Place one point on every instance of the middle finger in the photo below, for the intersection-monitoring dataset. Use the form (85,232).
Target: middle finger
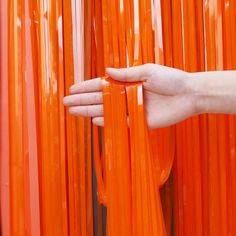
(83,99)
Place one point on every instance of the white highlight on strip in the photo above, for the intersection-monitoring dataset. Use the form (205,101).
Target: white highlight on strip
(78,39)
(140,95)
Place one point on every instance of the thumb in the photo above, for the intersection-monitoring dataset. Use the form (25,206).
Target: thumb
(131,74)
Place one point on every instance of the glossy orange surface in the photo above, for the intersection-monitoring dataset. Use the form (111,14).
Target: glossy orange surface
(46,155)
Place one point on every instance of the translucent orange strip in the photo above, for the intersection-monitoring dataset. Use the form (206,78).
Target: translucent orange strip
(162,139)
(53,212)
(101,194)
(203,119)
(222,124)
(214,194)
(215,17)
(103,60)
(111,39)
(88,147)
(136,26)
(71,149)
(113,34)
(141,155)
(146,31)
(123,200)
(143,30)
(25,145)
(98,165)
(117,167)
(167,37)
(4,122)
(158,46)
(53,118)
(193,185)
(17,156)
(80,9)
(232,119)
(55,94)
(106,62)
(98,31)
(139,168)
(129,32)
(80,174)
(132,43)
(121,32)
(49,175)
(205,136)
(142,213)
(33,191)
(110,24)
(105,33)
(147,38)
(180,135)
(186,151)
(82,163)
(149,31)
(229,63)
(44,204)
(195,162)
(222,163)
(199,16)
(99,71)
(61,122)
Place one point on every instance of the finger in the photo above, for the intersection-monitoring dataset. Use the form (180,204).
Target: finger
(99,121)
(87,111)
(83,99)
(87,86)
(132,74)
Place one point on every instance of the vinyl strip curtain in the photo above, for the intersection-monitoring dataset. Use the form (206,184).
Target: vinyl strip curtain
(46,162)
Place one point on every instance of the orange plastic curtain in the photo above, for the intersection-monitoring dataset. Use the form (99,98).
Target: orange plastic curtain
(46,180)
(134,200)
(46,164)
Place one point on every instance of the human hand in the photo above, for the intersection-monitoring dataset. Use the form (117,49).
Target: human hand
(168,94)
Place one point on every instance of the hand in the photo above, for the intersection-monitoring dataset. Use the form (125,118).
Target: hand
(168,94)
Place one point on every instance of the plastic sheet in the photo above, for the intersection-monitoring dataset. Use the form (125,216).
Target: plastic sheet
(46,154)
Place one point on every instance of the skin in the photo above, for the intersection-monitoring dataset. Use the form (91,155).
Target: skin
(170,95)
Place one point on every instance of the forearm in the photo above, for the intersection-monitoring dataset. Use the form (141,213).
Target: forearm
(215,91)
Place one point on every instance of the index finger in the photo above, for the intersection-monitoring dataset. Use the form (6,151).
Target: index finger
(93,85)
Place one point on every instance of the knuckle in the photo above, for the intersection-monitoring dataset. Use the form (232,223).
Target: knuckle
(98,97)
(72,111)
(148,66)
(79,100)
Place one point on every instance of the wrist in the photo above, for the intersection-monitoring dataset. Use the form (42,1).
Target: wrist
(198,87)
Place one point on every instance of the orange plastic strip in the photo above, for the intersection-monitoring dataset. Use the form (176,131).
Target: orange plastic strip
(228,17)
(117,163)
(213,171)
(4,122)
(30,77)
(18,166)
